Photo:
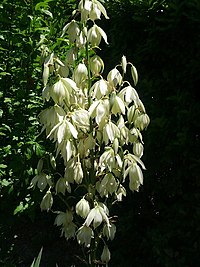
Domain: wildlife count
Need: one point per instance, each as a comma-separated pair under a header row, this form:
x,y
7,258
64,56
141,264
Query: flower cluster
x,y
95,123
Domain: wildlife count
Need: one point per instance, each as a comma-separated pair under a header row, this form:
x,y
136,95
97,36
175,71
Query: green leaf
x,y
47,12
36,262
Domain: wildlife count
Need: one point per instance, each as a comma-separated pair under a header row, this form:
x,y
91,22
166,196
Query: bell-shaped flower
x,y
78,173
95,34
109,160
62,185
97,215
142,121
81,119
120,193
91,9
65,220
118,106
48,68
135,177
84,7
63,130
80,74
84,235
51,117
107,185
82,208
41,180
129,94
81,39
124,131
62,89
69,230
67,149
109,231
131,114
134,74
100,89
105,256
96,65
73,31
95,12
110,132
138,149
100,111
69,170
47,201
114,77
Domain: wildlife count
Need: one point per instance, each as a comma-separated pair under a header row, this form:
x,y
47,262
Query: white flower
x,y
78,173
80,74
96,65
47,201
83,208
81,118
100,88
109,231
100,110
114,77
63,130
142,121
110,132
73,31
107,185
97,215
138,149
42,180
117,105
95,34
62,90
64,219
62,185
84,235
120,192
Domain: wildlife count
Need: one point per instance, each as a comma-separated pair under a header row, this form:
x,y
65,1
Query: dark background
x,y
160,225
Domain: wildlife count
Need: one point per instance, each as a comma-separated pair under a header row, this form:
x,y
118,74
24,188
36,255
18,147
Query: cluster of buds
x,y
95,123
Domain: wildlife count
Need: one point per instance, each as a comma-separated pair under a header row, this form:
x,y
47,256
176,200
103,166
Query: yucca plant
x,y
95,123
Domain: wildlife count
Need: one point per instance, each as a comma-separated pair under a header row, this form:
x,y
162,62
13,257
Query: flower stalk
x,y
96,124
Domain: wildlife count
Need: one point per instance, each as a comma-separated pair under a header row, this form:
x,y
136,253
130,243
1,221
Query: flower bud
x,y
124,64
105,256
83,208
131,113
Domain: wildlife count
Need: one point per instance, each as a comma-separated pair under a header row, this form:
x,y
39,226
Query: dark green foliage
x,y
162,39
160,225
